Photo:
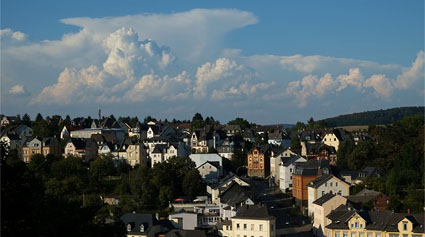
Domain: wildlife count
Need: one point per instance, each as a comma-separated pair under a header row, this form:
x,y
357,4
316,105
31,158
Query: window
x,y
404,225
252,226
244,226
378,235
353,234
356,224
361,234
331,184
326,184
238,226
344,234
336,234
369,234
323,193
261,227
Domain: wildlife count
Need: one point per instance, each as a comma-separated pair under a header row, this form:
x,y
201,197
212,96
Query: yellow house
x,y
352,223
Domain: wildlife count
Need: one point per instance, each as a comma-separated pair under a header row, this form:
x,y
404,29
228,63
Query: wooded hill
x,y
378,117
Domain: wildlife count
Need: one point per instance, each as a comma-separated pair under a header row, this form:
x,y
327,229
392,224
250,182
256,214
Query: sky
x,y
268,62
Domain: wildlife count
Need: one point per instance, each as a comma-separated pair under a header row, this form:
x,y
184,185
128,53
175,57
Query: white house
x,y
276,159
210,171
200,159
286,168
324,184
334,138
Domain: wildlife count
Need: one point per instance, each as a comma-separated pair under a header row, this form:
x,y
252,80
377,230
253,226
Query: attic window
x,y
142,228
128,227
404,225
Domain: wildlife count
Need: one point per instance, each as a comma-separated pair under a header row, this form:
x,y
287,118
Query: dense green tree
x,y
362,155
26,120
296,144
192,183
39,117
241,122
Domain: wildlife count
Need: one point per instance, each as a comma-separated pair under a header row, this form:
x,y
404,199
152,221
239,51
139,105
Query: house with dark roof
x,y
335,137
83,148
209,171
232,198
286,169
258,161
216,189
250,220
304,173
375,200
321,208
45,146
138,224
322,185
349,222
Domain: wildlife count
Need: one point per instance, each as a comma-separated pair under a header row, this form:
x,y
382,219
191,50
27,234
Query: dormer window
x,y
404,225
142,228
128,227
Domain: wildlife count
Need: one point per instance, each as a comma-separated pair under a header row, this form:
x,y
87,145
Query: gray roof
x,y
324,199
321,180
136,220
375,220
254,212
310,168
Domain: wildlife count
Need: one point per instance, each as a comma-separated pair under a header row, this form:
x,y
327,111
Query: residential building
x,y
200,159
321,209
324,184
216,189
136,154
83,148
304,173
13,141
210,171
334,137
6,120
374,223
227,148
286,169
45,146
377,200
258,160
143,225
66,131
232,130
251,220
185,220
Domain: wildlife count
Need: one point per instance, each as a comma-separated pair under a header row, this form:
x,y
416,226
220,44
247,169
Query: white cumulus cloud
x,y
9,34
412,74
381,84
18,90
212,72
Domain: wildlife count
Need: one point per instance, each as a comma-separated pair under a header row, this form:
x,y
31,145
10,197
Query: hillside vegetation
x,y
378,117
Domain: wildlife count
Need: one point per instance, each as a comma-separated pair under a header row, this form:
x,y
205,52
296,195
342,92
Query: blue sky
x,y
274,62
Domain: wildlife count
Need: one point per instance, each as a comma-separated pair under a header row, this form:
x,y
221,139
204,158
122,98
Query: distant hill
x,y
378,117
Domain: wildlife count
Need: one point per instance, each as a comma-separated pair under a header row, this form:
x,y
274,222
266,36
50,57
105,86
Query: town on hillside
x,y
110,176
